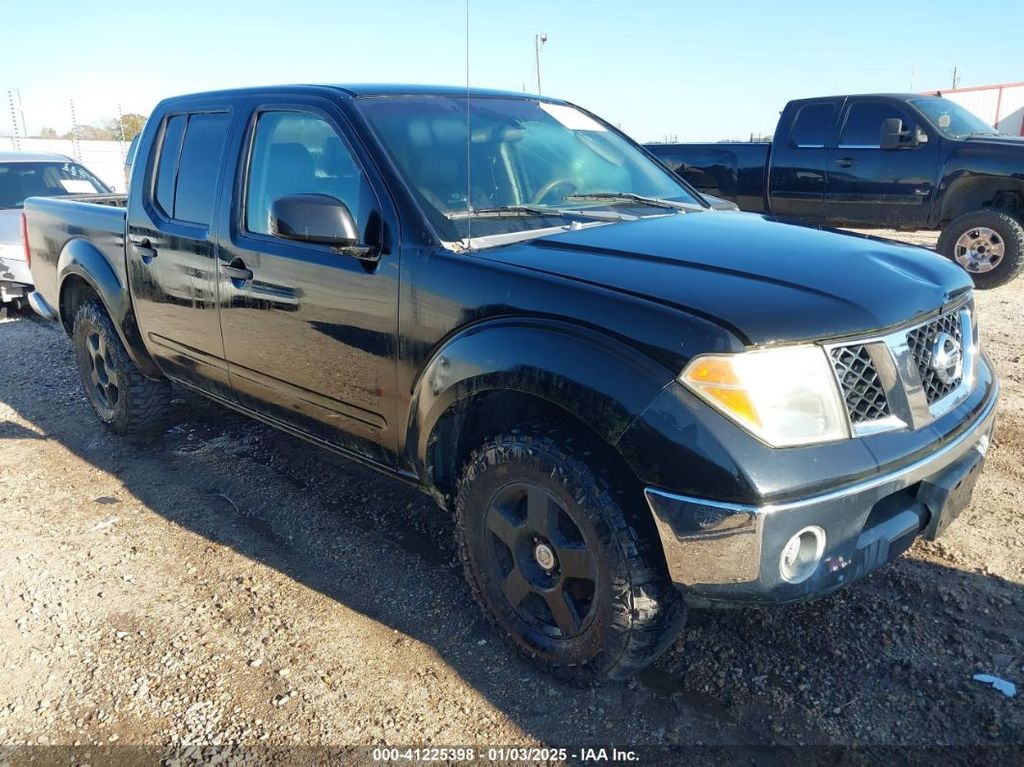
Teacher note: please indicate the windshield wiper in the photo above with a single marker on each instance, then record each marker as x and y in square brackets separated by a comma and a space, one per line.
[654, 202]
[510, 211]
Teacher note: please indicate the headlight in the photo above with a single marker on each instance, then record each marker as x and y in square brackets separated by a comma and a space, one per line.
[785, 396]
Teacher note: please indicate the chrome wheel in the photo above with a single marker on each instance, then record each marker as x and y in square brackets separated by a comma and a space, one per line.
[979, 250]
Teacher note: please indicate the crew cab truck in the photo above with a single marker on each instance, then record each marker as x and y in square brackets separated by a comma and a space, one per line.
[879, 161]
[630, 401]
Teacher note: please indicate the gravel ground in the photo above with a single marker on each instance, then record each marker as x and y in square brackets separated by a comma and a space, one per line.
[231, 584]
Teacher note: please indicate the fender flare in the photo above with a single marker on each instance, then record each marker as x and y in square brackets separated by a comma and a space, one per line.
[600, 380]
[80, 258]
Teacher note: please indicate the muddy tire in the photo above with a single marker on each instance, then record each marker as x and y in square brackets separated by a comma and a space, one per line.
[988, 244]
[553, 561]
[124, 399]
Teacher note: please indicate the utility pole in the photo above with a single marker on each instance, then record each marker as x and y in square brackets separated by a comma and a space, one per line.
[538, 42]
[956, 78]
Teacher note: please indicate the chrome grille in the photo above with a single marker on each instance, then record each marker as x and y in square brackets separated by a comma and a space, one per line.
[861, 386]
[893, 381]
[921, 341]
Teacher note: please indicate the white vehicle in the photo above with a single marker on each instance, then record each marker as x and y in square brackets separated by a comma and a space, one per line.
[29, 174]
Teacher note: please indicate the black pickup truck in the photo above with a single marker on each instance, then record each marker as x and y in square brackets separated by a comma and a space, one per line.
[630, 401]
[879, 161]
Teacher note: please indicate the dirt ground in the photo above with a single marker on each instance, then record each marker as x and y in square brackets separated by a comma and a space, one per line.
[231, 584]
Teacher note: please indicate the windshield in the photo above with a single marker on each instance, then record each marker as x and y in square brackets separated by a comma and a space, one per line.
[20, 180]
[531, 164]
[952, 119]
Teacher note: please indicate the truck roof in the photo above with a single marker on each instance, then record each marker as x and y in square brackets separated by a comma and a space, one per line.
[894, 96]
[357, 90]
[7, 157]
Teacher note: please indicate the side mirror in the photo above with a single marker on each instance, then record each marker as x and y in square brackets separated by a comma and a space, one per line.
[892, 132]
[322, 219]
[313, 218]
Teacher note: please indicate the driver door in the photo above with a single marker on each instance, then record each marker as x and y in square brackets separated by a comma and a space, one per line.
[874, 187]
[310, 335]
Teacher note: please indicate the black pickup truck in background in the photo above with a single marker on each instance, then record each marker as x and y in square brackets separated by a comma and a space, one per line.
[886, 161]
[629, 400]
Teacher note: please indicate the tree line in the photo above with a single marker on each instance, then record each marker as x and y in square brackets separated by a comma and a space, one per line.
[106, 130]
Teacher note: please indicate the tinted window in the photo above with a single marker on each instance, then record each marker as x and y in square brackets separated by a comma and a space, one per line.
[295, 153]
[864, 123]
[198, 167]
[167, 164]
[810, 129]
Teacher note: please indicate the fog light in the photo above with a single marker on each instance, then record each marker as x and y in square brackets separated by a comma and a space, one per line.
[801, 554]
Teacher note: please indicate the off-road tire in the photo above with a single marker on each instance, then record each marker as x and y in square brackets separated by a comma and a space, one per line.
[1002, 223]
[635, 611]
[140, 406]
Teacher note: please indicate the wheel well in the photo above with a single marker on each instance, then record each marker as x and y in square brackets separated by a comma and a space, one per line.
[471, 421]
[978, 193]
[73, 293]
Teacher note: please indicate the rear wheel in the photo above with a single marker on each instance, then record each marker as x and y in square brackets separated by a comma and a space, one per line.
[988, 244]
[124, 399]
[555, 564]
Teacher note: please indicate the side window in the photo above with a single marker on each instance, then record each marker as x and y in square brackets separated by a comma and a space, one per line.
[299, 153]
[167, 163]
[190, 158]
[200, 160]
[863, 125]
[811, 126]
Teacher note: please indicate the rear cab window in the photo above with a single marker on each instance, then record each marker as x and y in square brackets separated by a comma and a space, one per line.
[812, 125]
[191, 151]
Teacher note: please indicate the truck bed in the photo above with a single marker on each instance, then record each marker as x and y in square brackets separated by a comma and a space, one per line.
[734, 172]
[70, 226]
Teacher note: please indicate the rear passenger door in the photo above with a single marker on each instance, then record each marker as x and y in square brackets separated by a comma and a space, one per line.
[799, 162]
[172, 258]
[310, 335]
[871, 186]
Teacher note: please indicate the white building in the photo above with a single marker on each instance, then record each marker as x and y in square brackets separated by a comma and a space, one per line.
[1001, 106]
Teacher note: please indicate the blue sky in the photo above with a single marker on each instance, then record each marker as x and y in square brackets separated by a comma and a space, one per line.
[700, 71]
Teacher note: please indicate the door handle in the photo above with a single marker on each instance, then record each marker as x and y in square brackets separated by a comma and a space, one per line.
[846, 162]
[236, 271]
[144, 249]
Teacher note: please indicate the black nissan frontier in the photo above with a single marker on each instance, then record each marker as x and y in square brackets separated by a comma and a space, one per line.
[631, 401]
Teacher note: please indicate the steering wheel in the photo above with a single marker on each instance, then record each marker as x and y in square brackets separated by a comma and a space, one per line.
[550, 186]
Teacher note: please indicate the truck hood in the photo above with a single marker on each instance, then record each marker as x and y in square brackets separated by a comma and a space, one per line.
[767, 281]
[1001, 142]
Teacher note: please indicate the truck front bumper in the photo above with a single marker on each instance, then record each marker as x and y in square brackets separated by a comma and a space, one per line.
[732, 553]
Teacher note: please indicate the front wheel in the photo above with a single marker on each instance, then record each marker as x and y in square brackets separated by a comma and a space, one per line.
[124, 399]
[553, 561]
[987, 243]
